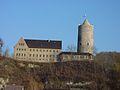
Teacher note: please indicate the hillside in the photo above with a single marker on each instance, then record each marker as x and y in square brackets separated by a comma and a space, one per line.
[57, 75]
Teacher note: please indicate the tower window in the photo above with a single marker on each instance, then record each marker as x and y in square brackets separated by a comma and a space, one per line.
[80, 44]
[87, 43]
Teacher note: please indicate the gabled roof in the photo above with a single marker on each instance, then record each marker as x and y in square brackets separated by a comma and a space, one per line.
[50, 44]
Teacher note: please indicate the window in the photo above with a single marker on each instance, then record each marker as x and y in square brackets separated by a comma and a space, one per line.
[39, 55]
[30, 49]
[84, 57]
[53, 55]
[46, 55]
[43, 55]
[81, 56]
[24, 49]
[33, 55]
[30, 55]
[87, 43]
[33, 50]
[37, 50]
[43, 50]
[53, 50]
[24, 54]
[46, 50]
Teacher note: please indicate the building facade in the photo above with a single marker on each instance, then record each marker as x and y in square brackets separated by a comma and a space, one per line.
[37, 50]
[74, 56]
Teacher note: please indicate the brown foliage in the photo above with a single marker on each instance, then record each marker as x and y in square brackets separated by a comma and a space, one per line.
[56, 75]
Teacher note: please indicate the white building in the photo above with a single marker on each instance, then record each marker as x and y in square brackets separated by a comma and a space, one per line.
[37, 50]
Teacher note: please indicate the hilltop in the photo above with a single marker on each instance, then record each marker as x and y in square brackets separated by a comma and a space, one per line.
[58, 75]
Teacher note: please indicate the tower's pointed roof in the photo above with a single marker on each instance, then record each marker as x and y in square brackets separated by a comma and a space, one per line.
[86, 22]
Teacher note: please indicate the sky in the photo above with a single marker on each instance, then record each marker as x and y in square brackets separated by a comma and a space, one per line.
[58, 20]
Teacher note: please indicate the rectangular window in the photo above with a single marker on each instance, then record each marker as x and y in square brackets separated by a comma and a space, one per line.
[43, 55]
[39, 55]
[16, 54]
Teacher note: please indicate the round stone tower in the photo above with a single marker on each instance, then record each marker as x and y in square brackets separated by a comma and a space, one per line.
[85, 38]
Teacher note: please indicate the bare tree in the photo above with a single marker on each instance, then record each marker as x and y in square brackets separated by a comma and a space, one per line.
[6, 53]
[95, 50]
[1, 45]
[71, 48]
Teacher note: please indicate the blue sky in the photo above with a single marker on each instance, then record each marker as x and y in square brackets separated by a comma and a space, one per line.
[59, 19]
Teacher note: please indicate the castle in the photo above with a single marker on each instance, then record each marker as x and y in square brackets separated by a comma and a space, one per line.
[51, 50]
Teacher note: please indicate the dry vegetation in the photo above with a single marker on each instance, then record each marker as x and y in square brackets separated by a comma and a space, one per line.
[103, 73]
